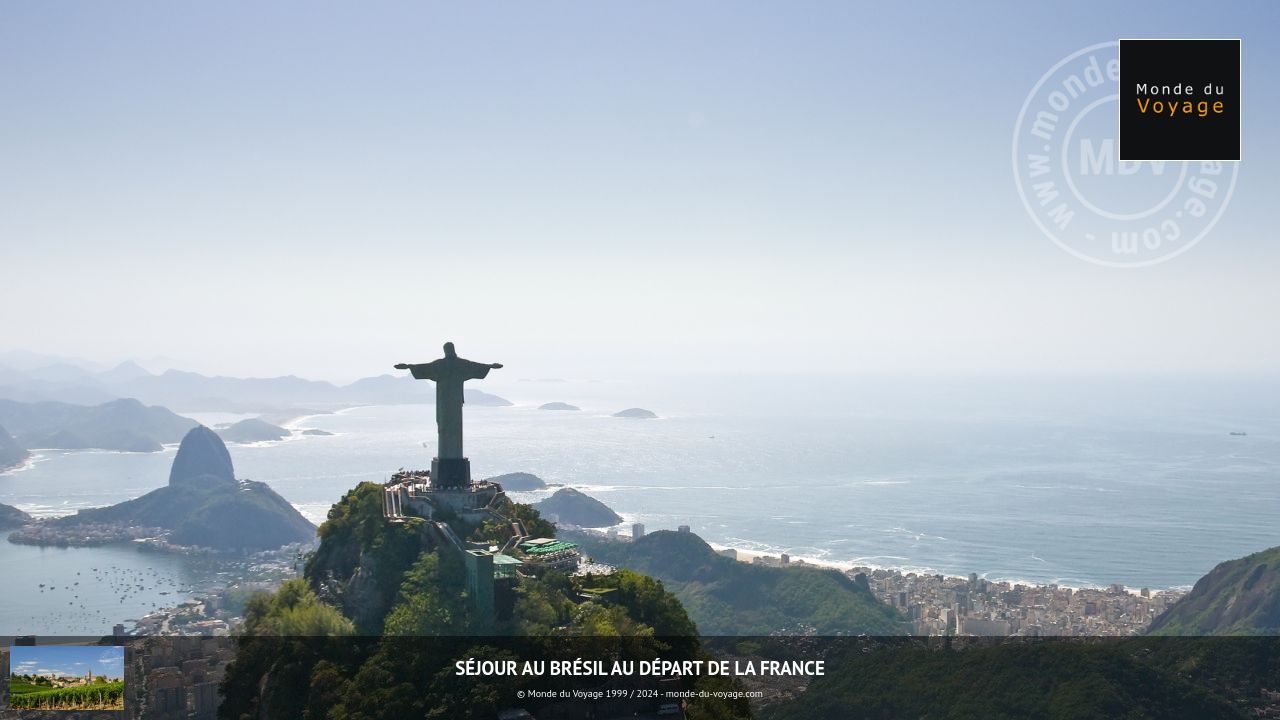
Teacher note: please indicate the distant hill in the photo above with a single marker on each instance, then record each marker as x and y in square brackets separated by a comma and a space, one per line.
[558, 406]
[253, 430]
[202, 461]
[124, 424]
[193, 391]
[11, 453]
[1238, 597]
[11, 517]
[518, 481]
[205, 505]
[124, 372]
[473, 396]
[728, 597]
[638, 413]
[577, 508]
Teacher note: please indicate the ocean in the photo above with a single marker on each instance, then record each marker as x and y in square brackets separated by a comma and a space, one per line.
[1083, 482]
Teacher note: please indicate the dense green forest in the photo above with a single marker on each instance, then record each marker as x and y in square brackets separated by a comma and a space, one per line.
[728, 597]
[374, 628]
[1048, 678]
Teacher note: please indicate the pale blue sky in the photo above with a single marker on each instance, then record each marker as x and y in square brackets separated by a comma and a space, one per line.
[328, 188]
[67, 660]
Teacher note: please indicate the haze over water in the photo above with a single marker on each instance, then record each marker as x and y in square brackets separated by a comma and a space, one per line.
[1087, 482]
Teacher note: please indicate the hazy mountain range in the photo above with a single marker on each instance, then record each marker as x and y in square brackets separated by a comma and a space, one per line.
[29, 378]
[55, 402]
[116, 425]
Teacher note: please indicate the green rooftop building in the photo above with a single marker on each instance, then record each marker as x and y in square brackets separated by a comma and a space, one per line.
[551, 554]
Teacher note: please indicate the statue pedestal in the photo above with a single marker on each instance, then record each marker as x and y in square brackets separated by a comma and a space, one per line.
[450, 472]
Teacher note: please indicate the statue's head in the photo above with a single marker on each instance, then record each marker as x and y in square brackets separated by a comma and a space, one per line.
[449, 351]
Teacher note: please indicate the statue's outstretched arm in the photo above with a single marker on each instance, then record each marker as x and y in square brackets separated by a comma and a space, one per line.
[495, 366]
[402, 366]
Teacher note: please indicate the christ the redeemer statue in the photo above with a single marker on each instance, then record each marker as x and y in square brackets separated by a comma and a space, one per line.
[450, 468]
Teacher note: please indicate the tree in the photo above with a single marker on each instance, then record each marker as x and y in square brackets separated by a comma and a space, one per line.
[432, 600]
[294, 611]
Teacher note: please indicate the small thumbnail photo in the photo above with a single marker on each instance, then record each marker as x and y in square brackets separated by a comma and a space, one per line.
[66, 677]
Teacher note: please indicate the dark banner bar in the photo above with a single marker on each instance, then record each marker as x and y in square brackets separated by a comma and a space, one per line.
[771, 678]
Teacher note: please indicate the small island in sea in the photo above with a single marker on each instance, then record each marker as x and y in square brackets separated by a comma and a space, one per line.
[203, 507]
[519, 481]
[558, 406]
[253, 430]
[638, 413]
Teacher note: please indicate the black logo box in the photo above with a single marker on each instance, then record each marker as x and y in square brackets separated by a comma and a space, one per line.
[1185, 67]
